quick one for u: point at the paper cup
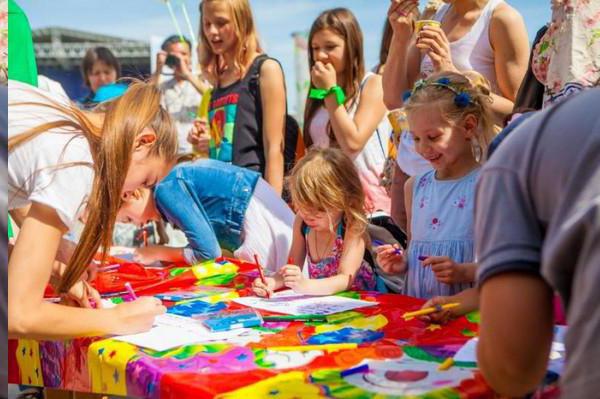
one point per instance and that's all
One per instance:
(425, 22)
(397, 118)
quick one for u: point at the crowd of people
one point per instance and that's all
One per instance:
(481, 155)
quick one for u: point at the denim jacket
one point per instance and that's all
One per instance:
(207, 200)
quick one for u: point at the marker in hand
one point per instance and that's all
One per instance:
(378, 243)
(130, 290)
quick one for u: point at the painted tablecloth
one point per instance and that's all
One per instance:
(403, 356)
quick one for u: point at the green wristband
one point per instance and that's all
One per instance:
(320, 94)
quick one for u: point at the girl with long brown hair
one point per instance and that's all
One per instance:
(248, 107)
(345, 106)
(65, 164)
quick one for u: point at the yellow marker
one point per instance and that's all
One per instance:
(446, 364)
(426, 311)
(325, 347)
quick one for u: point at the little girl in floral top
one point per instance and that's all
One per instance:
(329, 230)
(450, 120)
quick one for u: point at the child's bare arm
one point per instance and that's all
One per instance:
(155, 253)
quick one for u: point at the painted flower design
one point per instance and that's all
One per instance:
(460, 203)
(435, 223)
(423, 201)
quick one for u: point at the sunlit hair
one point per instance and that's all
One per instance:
(247, 43)
(111, 145)
(344, 23)
(326, 180)
(472, 83)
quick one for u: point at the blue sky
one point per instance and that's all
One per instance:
(276, 20)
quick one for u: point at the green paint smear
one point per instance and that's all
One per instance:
(468, 333)
(473, 317)
(177, 271)
(259, 358)
(420, 354)
(349, 294)
(219, 279)
(268, 330)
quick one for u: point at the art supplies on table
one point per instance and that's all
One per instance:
(289, 302)
(205, 293)
(170, 331)
(225, 321)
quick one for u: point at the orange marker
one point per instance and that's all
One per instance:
(145, 237)
(261, 274)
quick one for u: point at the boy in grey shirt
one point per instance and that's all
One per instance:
(538, 231)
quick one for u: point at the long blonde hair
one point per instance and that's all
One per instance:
(428, 93)
(326, 179)
(111, 146)
(344, 23)
(246, 46)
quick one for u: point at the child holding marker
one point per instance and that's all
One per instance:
(329, 230)
(217, 205)
(450, 120)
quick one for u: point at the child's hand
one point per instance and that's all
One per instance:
(391, 258)
(292, 277)
(442, 316)
(82, 294)
(260, 289)
(147, 255)
(446, 270)
(198, 136)
(401, 16)
(433, 41)
(137, 316)
(323, 75)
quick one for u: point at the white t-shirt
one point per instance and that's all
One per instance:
(181, 100)
(39, 170)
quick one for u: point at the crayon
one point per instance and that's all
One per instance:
(426, 311)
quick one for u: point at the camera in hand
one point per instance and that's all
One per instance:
(172, 61)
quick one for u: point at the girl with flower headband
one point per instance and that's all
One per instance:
(450, 120)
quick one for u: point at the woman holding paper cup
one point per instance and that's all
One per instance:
(486, 36)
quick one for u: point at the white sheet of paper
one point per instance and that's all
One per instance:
(288, 302)
(468, 352)
(170, 331)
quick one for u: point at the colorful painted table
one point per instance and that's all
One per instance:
(277, 360)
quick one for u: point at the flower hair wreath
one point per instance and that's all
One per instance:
(461, 98)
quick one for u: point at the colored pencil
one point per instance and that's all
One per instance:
(261, 274)
(303, 317)
(426, 311)
(145, 237)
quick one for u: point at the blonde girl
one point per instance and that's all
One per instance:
(450, 120)
(329, 230)
(248, 107)
(345, 105)
(63, 161)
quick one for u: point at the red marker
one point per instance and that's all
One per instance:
(261, 274)
(145, 237)
(290, 261)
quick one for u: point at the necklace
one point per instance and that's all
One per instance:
(320, 256)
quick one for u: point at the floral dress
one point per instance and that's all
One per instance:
(566, 60)
(441, 225)
(329, 266)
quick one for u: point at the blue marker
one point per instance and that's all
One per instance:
(359, 369)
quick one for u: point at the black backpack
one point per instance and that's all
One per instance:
(293, 138)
